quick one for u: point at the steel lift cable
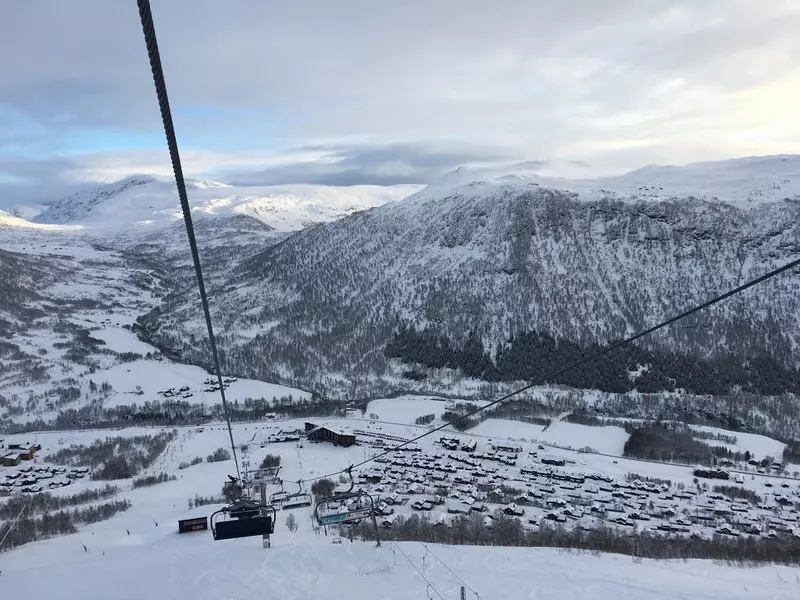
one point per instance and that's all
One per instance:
(169, 130)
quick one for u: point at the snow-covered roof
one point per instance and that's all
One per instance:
(337, 429)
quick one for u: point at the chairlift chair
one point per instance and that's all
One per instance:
(343, 511)
(299, 499)
(279, 496)
(245, 517)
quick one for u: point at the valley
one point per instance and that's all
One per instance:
(383, 324)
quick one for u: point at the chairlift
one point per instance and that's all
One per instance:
(299, 499)
(280, 496)
(338, 511)
(245, 517)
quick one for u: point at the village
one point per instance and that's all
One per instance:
(454, 474)
(537, 486)
(462, 474)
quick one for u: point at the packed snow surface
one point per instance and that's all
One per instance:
(164, 565)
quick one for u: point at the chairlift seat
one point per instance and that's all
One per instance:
(243, 519)
(244, 512)
(239, 528)
(300, 501)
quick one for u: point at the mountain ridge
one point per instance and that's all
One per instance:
(145, 202)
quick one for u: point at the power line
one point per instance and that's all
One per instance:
(430, 585)
(169, 129)
(550, 376)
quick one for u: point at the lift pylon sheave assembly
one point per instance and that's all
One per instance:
(243, 518)
(347, 507)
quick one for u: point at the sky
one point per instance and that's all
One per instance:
(383, 92)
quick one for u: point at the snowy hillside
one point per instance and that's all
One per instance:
(501, 258)
(164, 565)
(149, 202)
(66, 309)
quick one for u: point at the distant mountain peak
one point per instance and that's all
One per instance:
(146, 201)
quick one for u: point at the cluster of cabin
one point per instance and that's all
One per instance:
(212, 383)
(182, 392)
(30, 479)
(712, 473)
(280, 435)
(14, 454)
(544, 488)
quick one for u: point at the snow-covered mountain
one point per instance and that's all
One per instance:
(145, 203)
(512, 255)
(742, 182)
(487, 260)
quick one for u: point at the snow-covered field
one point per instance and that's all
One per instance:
(122, 340)
(406, 409)
(607, 440)
(154, 376)
(758, 445)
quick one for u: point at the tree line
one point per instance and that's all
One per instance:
(115, 457)
(531, 355)
(670, 443)
(31, 527)
(176, 413)
(45, 502)
(504, 530)
(150, 480)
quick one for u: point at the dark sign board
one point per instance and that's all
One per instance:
(196, 524)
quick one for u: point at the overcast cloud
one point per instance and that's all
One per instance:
(388, 92)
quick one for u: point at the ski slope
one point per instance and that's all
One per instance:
(167, 566)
